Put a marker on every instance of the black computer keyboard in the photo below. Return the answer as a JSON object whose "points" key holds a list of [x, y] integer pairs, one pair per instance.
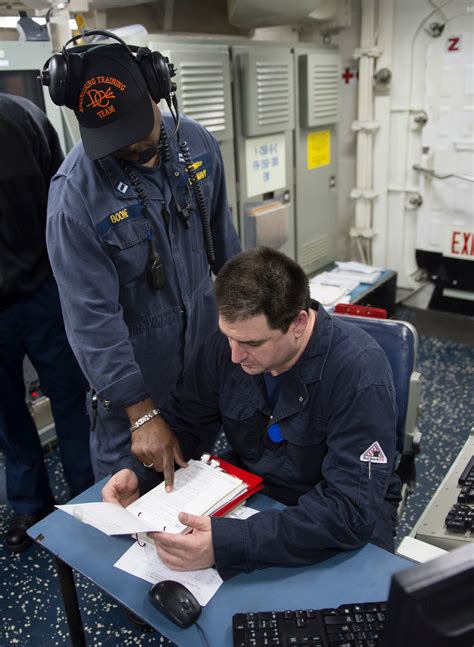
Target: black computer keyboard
{"points": [[350, 625], [460, 517]]}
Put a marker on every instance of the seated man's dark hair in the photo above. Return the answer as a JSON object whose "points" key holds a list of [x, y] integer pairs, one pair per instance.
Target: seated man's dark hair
{"points": [[262, 281]]}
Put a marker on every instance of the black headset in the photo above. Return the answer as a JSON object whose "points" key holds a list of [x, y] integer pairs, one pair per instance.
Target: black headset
{"points": [[62, 73]]}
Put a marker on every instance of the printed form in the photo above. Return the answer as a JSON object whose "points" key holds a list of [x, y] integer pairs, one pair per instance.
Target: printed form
{"points": [[143, 561]]}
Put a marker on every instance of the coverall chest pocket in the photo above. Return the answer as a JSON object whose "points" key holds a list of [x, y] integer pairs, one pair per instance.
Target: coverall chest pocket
{"points": [[244, 424], [305, 450], [126, 244]]}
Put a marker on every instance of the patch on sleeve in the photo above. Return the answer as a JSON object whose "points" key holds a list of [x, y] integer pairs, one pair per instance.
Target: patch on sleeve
{"points": [[374, 454]]}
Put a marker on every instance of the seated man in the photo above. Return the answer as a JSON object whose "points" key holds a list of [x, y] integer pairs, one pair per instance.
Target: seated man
{"points": [[306, 401]]}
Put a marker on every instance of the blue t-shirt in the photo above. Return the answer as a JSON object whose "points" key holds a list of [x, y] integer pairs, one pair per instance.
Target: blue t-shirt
{"points": [[273, 384]]}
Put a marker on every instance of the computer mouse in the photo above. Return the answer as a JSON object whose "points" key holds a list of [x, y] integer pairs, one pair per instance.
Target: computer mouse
{"points": [[175, 602]]}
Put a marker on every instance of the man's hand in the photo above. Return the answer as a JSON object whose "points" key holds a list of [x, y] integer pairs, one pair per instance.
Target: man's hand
{"points": [[190, 552], [155, 443], [121, 488]]}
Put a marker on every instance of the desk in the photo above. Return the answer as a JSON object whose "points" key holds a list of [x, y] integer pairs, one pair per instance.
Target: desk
{"points": [[356, 576], [381, 294]]}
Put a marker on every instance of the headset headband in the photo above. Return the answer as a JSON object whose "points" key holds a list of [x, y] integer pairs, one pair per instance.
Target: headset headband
{"points": [[93, 32], [63, 74]]}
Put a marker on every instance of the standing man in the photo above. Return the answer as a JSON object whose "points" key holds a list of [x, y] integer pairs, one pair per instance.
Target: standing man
{"points": [[305, 400], [31, 323], [132, 219]]}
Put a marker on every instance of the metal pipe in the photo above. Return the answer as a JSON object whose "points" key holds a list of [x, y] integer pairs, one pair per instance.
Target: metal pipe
{"points": [[421, 169]]}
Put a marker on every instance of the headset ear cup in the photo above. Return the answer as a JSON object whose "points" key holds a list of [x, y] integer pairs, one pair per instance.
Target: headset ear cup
{"points": [[160, 65], [154, 68], [146, 68], [75, 67], [58, 79]]}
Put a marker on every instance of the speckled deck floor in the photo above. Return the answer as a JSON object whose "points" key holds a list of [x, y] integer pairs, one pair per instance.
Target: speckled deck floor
{"points": [[30, 602]]}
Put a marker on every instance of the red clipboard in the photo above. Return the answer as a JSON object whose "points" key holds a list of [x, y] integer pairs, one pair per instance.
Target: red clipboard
{"points": [[254, 484]]}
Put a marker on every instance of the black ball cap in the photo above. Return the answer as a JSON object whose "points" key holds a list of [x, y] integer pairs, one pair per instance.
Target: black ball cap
{"points": [[114, 108]]}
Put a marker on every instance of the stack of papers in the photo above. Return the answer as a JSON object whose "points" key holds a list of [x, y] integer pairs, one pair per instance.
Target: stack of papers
{"points": [[329, 288], [209, 486], [357, 272], [336, 280], [199, 489], [328, 295]]}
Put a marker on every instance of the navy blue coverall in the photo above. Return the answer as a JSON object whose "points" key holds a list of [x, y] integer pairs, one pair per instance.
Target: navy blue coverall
{"points": [[334, 404], [133, 342], [30, 316]]}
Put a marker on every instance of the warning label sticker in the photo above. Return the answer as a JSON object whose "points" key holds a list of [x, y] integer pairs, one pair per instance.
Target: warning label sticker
{"points": [[374, 454]]}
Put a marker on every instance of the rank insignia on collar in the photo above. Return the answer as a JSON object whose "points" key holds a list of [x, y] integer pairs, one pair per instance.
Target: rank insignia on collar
{"points": [[122, 187]]}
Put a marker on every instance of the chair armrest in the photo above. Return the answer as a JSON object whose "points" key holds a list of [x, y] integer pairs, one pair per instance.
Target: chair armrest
{"points": [[412, 435]]}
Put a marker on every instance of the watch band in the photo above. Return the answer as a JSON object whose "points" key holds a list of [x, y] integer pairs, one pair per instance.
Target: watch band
{"points": [[145, 418]]}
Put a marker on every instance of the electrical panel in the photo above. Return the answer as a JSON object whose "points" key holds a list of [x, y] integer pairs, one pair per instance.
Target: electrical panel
{"points": [[317, 112], [319, 74], [267, 103], [264, 124]]}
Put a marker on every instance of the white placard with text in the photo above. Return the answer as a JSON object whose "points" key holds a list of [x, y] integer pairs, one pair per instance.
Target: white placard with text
{"points": [[265, 159]]}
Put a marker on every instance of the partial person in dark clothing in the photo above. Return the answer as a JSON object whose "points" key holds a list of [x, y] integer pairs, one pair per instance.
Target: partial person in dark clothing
{"points": [[31, 324], [305, 400]]}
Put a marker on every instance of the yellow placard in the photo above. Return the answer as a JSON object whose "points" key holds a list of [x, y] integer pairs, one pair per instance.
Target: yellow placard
{"points": [[80, 22], [318, 146]]}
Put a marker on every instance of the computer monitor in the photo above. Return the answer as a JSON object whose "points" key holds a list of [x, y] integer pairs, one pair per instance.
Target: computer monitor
{"points": [[432, 604], [24, 83]]}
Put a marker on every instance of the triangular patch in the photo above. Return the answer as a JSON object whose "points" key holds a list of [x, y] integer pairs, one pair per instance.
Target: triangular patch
{"points": [[373, 454]]}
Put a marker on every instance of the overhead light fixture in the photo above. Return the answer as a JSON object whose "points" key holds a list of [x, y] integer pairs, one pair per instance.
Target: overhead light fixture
{"points": [[9, 22]]}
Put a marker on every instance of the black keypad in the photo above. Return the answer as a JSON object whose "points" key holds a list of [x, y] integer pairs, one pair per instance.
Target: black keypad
{"points": [[460, 518], [350, 625]]}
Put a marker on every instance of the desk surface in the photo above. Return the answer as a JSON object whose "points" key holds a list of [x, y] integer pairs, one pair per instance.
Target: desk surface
{"points": [[356, 576], [363, 289]]}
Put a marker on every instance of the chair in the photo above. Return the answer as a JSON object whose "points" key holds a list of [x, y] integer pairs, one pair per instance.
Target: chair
{"points": [[399, 340]]}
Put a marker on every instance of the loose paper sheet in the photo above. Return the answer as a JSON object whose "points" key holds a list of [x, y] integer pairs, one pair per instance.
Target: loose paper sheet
{"points": [[353, 266], [144, 562], [110, 518]]}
